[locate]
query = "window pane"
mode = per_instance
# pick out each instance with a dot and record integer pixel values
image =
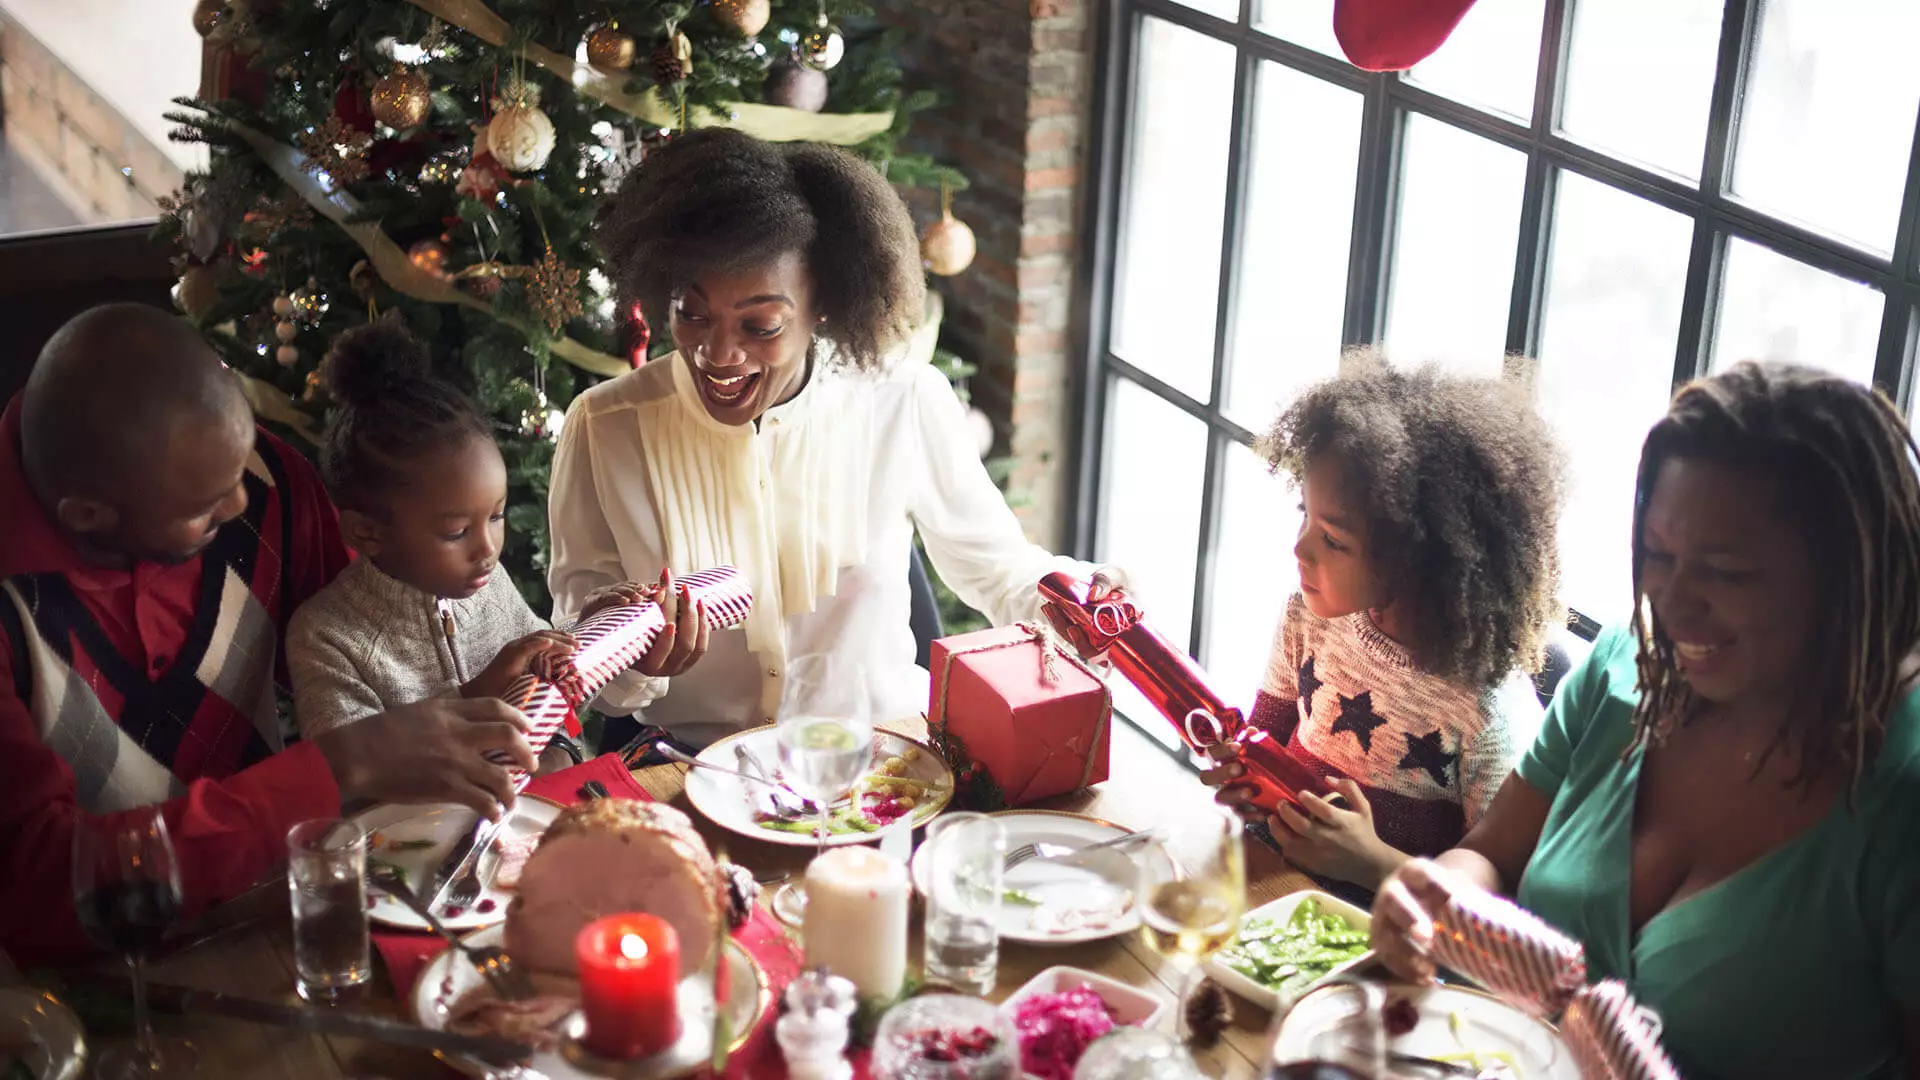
(1640, 79)
(1452, 276)
(1151, 480)
(1254, 573)
(1167, 282)
(86, 89)
(1491, 58)
(1615, 281)
(1293, 261)
(1307, 23)
(1827, 125)
(1774, 308)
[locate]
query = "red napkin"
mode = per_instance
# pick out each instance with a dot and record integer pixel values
(406, 952)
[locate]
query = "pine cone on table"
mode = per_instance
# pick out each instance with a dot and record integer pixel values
(1209, 1014)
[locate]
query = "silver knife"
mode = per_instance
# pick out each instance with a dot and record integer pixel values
(449, 867)
(488, 1048)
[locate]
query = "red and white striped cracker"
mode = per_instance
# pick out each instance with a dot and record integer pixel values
(1509, 951)
(1614, 1038)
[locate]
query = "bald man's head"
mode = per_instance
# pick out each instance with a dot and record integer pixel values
(133, 434)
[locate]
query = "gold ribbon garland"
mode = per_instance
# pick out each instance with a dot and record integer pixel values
(771, 122)
(391, 262)
(1049, 650)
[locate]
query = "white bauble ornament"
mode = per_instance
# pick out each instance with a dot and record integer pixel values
(520, 137)
(947, 247)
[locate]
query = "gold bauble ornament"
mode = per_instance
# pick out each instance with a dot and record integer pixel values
(609, 50)
(947, 247)
(429, 255)
(208, 15)
(197, 291)
(520, 137)
(308, 303)
(442, 168)
(285, 331)
(402, 99)
(822, 47)
(743, 17)
(286, 356)
(283, 306)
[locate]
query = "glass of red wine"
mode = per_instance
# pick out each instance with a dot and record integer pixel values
(126, 886)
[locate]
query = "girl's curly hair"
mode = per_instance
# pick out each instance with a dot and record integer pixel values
(717, 200)
(1842, 460)
(1462, 486)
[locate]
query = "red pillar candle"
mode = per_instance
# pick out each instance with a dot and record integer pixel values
(629, 985)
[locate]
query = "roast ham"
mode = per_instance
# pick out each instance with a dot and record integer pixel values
(609, 856)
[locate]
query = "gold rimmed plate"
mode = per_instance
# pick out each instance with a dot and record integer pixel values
(735, 804)
(448, 982)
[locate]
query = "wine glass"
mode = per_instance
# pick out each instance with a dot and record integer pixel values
(1193, 911)
(825, 731)
(126, 888)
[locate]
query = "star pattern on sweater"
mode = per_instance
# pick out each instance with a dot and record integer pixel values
(1309, 685)
(1357, 716)
(1425, 752)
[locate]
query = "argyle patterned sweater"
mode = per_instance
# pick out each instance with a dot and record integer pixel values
(1428, 753)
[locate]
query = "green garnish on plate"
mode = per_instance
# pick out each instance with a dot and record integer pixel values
(1285, 957)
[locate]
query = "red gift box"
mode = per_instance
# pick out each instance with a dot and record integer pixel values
(1030, 715)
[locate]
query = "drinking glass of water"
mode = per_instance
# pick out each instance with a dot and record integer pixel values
(825, 730)
(966, 884)
(126, 888)
(326, 880)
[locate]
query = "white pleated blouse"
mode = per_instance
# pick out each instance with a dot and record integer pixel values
(817, 507)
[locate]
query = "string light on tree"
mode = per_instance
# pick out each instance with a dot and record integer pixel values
(609, 50)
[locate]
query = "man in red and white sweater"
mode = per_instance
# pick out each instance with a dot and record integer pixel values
(155, 543)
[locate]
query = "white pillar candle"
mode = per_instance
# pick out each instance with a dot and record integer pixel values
(856, 919)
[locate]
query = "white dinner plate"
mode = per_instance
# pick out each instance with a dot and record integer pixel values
(40, 1033)
(1455, 1023)
(441, 826)
(730, 802)
(448, 979)
(1280, 911)
(1086, 901)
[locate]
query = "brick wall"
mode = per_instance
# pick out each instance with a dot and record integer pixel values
(1014, 79)
(101, 165)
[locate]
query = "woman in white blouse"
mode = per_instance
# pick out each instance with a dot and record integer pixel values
(776, 439)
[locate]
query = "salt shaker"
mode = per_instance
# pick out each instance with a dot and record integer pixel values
(813, 1032)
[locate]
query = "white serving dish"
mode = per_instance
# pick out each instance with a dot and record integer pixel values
(1280, 911)
(1131, 1007)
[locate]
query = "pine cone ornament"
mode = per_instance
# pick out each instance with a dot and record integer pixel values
(742, 891)
(673, 60)
(1209, 1014)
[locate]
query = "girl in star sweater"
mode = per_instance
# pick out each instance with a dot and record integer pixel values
(1427, 589)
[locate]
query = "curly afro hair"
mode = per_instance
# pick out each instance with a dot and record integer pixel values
(717, 200)
(1462, 485)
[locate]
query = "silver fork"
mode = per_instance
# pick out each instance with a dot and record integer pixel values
(1043, 850)
(492, 961)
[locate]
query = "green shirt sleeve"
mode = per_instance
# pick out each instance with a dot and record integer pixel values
(1579, 698)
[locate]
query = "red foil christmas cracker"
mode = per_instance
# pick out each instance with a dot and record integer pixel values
(1613, 1038)
(1509, 951)
(1176, 686)
(609, 643)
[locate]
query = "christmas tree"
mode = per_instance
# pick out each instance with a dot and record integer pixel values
(447, 158)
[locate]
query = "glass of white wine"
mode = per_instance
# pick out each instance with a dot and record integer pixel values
(825, 730)
(1195, 912)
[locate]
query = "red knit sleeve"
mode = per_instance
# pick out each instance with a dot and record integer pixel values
(227, 833)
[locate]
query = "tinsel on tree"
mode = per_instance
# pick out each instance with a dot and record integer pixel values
(447, 158)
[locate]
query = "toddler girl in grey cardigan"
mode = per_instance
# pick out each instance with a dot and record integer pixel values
(425, 610)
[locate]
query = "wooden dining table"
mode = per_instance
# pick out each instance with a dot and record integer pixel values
(246, 947)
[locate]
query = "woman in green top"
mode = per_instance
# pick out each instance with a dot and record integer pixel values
(1724, 804)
